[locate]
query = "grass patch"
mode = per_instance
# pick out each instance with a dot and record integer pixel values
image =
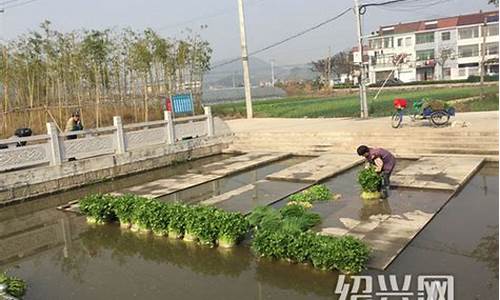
(348, 105)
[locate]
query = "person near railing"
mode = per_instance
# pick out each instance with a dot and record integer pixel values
(74, 123)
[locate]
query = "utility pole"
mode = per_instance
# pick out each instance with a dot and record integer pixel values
(362, 88)
(329, 66)
(483, 54)
(244, 60)
(273, 80)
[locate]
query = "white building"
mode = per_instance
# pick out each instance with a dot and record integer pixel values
(439, 49)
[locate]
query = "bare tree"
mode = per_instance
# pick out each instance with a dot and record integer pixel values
(444, 55)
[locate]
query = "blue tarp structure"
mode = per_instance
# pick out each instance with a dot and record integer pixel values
(182, 103)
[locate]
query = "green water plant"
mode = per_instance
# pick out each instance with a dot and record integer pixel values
(201, 224)
(14, 286)
(346, 254)
(319, 192)
(177, 221)
(98, 208)
(124, 207)
(370, 182)
(143, 215)
(160, 214)
(232, 228)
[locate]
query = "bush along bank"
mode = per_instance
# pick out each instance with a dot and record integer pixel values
(285, 234)
(207, 225)
(11, 286)
(370, 182)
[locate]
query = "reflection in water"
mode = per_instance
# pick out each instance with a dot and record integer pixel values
(304, 279)
(199, 259)
(487, 251)
(374, 207)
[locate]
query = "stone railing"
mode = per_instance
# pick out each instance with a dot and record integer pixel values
(54, 148)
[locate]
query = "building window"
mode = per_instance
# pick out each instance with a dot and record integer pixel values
(494, 69)
(468, 33)
(400, 42)
(388, 42)
(462, 72)
(468, 51)
(424, 38)
(491, 48)
(425, 54)
(446, 73)
(375, 43)
(408, 41)
(492, 30)
(445, 36)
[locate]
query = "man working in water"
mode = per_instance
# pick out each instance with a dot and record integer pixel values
(384, 163)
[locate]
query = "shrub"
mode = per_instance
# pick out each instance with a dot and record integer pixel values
(124, 207)
(315, 193)
(98, 208)
(232, 227)
(369, 180)
(15, 287)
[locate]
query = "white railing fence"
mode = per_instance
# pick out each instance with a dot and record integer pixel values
(55, 147)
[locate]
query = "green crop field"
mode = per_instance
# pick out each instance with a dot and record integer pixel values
(348, 105)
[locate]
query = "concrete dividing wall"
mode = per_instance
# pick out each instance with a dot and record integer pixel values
(23, 184)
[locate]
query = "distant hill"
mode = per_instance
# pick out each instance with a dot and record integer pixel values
(260, 71)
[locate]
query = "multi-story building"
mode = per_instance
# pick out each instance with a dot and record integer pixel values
(439, 49)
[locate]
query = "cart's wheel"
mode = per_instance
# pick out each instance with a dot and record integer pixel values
(439, 118)
(396, 119)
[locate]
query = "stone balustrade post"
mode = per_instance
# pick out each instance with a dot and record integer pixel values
(170, 127)
(210, 120)
(119, 135)
(56, 156)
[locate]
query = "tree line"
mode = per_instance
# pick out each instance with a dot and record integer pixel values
(49, 71)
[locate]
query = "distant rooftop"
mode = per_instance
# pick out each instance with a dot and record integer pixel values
(469, 19)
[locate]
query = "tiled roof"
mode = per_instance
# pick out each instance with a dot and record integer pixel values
(475, 18)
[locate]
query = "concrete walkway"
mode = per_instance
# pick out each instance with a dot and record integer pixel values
(473, 133)
(476, 121)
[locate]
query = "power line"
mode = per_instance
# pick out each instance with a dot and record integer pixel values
(19, 4)
(9, 1)
(301, 33)
(214, 14)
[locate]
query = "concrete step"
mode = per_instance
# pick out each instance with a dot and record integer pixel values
(489, 133)
(347, 149)
(386, 143)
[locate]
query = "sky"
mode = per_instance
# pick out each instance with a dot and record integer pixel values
(267, 21)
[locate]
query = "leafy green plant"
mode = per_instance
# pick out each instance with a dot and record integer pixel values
(353, 255)
(272, 244)
(204, 224)
(369, 180)
(177, 222)
(315, 193)
(15, 287)
(143, 215)
(124, 207)
(346, 254)
(98, 208)
(232, 227)
(160, 214)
